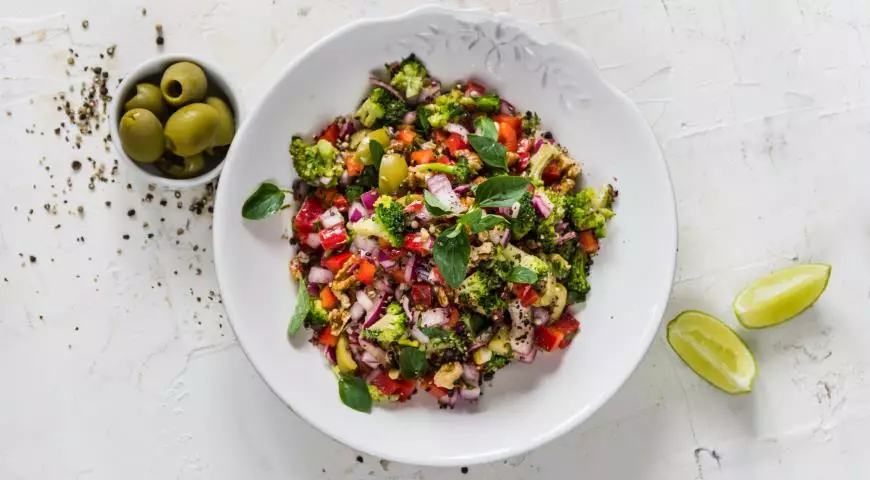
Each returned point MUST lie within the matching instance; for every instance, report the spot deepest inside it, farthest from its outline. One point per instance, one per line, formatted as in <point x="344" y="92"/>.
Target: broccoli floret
<point x="481" y="291"/>
<point x="559" y="265"/>
<point x="526" y="217"/>
<point x="388" y="222"/>
<point x="381" y="108"/>
<point x="461" y="170"/>
<point x="539" y="161"/>
<point x="353" y="193"/>
<point x="489" y="103"/>
<point x="496" y="363"/>
<point x="409" y="76"/>
<point x="316" y="162"/>
<point x="577" y="281"/>
<point x="446" y="108"/>
<point x="390" y="328"/>
<point x="546" y="228"/>
<point x="519" y="258"/>
<point x="531" y="122"/>
<point x="591" y="210"/>
<point x="318" y="315"/>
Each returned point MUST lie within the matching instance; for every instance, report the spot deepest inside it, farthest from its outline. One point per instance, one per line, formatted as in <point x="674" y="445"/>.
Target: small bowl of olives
<point x="173" y="119"/>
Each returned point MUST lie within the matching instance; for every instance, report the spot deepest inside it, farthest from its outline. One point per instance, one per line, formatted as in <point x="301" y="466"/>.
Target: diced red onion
<point x="364" y="300"/>
<point x="380" y="356"/>
<point x="331" y="217"/>
<point x="313" y="240"/>
<point x="538" y="143"/>
<point x="500" y="236"/>
<point x="429" y="91"/>
<point x="374" y="313"/>
<point x="319" y="275"/>
<point x="388" y="264"/>
<point x="457" y="129"/>
<point x="522" y="333"/>
<point x="561" y="226"/>
<point x="357" y="212"/>
<point x="387" y="87"/>
<point x="461" y="189"/>
<point x="418" y="335"/>
<point x="471" y="374"/>
<point x="506" y="108"/>
<point x="505" y="211"/>
<point x="542" y="204"/>
<point x="330" y="353"/>
<point x="365" y="244"/>
<point x="422" y="271"/>
<point x="407" y="308"/>
<point x="409" y="267"/>
<point x="528" y="357"/>
<point x="515" y="210"/>
<point x="368" y="199"/>
<point x="424" y="216"/>
<point x="357" y="311"/>
<point x="540" y="315"/>
<point x="435" y="317"/>
<point x="347" y="128"/>
<point x="313" y="289"/>
<point x="410" y="118"/>
<point x="369" y="360"/>
<point x="470" y="394"/>
<point x="439" y="185"/>
<point x="564" y="238"/>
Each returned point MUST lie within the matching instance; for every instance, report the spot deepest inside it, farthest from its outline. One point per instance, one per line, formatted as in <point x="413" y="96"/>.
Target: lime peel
<point x="782" y="295"/>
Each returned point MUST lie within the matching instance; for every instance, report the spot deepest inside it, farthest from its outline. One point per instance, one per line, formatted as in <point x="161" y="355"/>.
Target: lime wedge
<point x="781" y="295"/>
<point x="714" y="351"/>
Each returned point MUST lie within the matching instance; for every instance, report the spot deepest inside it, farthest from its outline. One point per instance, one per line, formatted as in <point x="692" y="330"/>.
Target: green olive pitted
<point x="141" y="135"/>
<point x="182" y="83"/>
<point x="192" y="167"/>
<point x="148" y="96"/>
<point x="226" y="124"/>
<point x="191" y="129"/>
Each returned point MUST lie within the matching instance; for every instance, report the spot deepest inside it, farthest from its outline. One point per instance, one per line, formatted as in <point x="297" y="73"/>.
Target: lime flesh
<point x="713" y="350"/>
<point x="782" y="295"/>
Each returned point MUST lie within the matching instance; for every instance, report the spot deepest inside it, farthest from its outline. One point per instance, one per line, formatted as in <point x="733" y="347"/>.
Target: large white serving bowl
<point x="528" y="404"/>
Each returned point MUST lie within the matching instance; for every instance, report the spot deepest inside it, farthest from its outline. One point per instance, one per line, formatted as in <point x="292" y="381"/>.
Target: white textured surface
<point x="761" y="110"/>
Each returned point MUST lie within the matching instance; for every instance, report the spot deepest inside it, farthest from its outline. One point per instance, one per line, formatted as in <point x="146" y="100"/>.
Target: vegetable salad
<point x="440" y="236"/>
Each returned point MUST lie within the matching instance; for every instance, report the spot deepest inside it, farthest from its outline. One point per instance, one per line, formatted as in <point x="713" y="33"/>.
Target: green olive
<point x="191" y="129"/>
<point x="363" y="153"/>
<point x="141" y="135"/>
<point x="192" y="167"/>
<point x="226" y="123"/>
<point x="147" y="96"/>
<point x="394" y="171"/>
<point x="182" y="83"/>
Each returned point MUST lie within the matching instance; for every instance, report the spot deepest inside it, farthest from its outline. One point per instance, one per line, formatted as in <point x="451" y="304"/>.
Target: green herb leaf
<point x="522" y="275"/>
<point x="423" y="118"/>
<point x="451" y="252"/>
<point x="471" y="217"/>
<point x="434" y="332"/>
<point x="412" y="362"/>
<point x="265" y="201"/>
<point x="354" y="393"/>
<point x="435" y="205"/>
<point x="486" y="127"/>
<point x="490" y="151"/>
<point x="501" y="191"/>
<point x="377" y="152"/>
<point x="474" y="323"/>
<point x="369" y="177"/>
<point x="303" y="305"/>
<point x="478" y="220"/>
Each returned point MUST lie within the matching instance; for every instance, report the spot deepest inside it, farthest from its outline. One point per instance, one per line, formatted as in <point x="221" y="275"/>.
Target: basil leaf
<point x="471" y="217"/>
<point x="266" y="200"/>
<point x="377" y="152"/>
<point x="434" y="332"/>
<point x="354" y="393"/>
<point x="369" y="177"/>
<point x="451" y="252"/>
<point x="474" y="323"/>
<point x="501" y="191"/>
<point x="303" y="305"/>
<point x="412" y="362"/>
<point x="486" y="127"/>
<point x="522" y="275"/>
<point x="490" y="151"/>
<point x="487" y="222"/>
<point x="435" y="205"/>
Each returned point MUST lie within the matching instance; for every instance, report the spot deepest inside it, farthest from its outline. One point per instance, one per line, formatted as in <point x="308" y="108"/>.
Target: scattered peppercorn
<point x="359" y="459"/>
<point x="76" y="165"/>
<point x="32" y="259"/>
<point x="126" y="237"/>
<point x="131" y="212"/>
<point x="464" y="470"/>
<point x="86" y="24"/>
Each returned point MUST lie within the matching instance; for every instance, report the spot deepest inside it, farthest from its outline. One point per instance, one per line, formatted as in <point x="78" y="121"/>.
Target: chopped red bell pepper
<point x="388" y="386"/>
<point x="516" y="122"/>
<point x="473" y="89"/>
<point x="454" y="318"/>
<point x="328" y="299"/>
<point x="418" y="243"/>
<point x="414" y="207"/>
<point x="569" y="326"/>
<point x="551" y="173"/>
<point x="444" y="160"/>
<point x="421" y="294"/>
<point x="419" y="157"/>
<point x="327" y="338"/>
<point x="526" y="293"/>
<point x="333" y="237"/>
<point x="335" y="262"/>
<point x="588" y="241"/>
<point x="428" y="385"/>
<point x="366" y="272"/>
<point x="455" y="143"/>
<point x="440" y="136"/>
<point x="303" y="222"/>
<point x="548" y="338"/>
<point x="398" y="275"/>
<point x="330" y="133"/>
<point x="405" y="389"/>
<point x="507" y="135"/>
<point x="406" y="136"/>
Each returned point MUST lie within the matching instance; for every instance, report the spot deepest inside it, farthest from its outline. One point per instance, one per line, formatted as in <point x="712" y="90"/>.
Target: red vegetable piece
<point x="303" y="222"/>
<point x="333" y="237"/>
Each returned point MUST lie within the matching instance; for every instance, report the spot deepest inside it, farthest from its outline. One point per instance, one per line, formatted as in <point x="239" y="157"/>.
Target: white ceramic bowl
<point x="148" y="71"/>
<point x="631" y="279"/>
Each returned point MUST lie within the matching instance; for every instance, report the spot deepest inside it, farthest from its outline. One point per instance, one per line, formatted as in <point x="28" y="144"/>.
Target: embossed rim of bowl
<point x="152" y="67"/>
<point x="667" y="225"/>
